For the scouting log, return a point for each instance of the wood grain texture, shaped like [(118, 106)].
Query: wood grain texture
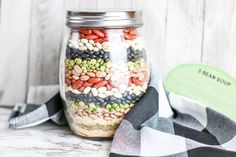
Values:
[(176, 31), (14, 40), (45, 41), (183, 33), (46, 140), (100, 5), (154, 32), (220, 35), (0, 13), (41, 94), (116, 5)]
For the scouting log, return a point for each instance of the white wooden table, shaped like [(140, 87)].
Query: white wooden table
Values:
[(46, 140)]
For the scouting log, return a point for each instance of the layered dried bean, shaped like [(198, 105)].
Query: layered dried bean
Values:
[(101, 89)]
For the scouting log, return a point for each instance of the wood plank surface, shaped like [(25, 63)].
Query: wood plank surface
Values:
[(14, 40), (220, 35), (100, 5), (175, 31), (183, 34), (45, 41), (46, 140), (154, 33)]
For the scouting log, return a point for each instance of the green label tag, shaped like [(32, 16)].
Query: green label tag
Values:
[(210, 86)]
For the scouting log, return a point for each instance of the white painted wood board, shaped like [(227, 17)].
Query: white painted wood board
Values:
[(220, 35), (45, 41), (183, 34), (175, 31), (14, 41), (47, 140)]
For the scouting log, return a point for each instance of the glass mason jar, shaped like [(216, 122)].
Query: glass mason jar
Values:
[(103, 70)]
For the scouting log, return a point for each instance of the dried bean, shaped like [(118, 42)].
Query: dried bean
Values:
[(94, 80), (84, 78), (114, 89), (104, 40), (136, 82), (91, 41), (90, 74), (81, 89), (100, 84), (99, 74), (81, 44), (99, 33), (91, 37), (77, 69), (94, 92), (137, 92), (98, 45), (109, 87), (113, 116), (108, 77), (85, 113), (133, 32), (126, 111), (77, 84), (101, 95), (85, 31), (118, 95), (105, 110), (128, 36), (95, 49), (80, 114), (68, 82), (118, 114), (102, 89), (103, 74), (82, 35), (89, 46), (108, 93), (75, 73), (84, 41), (87, 84), (99, 40), (75, 77), (87, 90)]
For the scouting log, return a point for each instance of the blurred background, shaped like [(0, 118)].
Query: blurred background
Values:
[(176, 31)]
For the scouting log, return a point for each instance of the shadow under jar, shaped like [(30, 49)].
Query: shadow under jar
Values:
[(103, 70)]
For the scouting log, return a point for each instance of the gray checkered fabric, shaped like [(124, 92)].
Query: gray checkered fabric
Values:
[(193, 130)]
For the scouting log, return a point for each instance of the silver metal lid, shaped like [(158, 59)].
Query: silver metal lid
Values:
[(111, 19)]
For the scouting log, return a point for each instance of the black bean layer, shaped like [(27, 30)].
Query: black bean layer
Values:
[(89, 98), (72, 53), (132, 55)]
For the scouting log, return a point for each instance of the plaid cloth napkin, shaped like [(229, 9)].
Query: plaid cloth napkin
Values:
[(158, 125), (152, 128), (193, 130)]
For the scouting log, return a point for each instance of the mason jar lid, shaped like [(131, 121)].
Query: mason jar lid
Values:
[(110, 19)]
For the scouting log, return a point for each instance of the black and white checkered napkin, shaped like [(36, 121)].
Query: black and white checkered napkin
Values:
[(192, 131), (28, 115), (152, 128)]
